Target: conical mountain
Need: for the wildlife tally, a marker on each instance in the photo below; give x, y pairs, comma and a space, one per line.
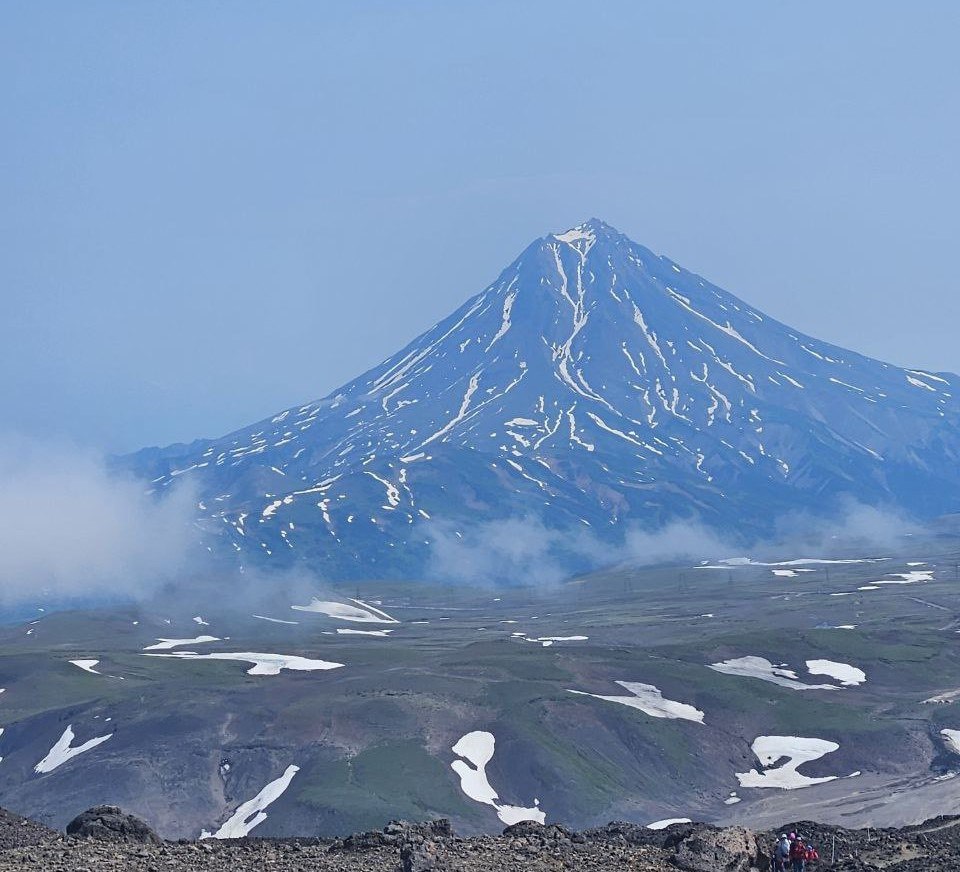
593, 384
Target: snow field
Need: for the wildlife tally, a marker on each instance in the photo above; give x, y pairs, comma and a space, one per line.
263, 663
478, 748
796, 751
648, 699
360, 612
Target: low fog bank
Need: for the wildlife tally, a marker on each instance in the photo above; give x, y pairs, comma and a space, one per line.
525, 550
241, 592
72, 530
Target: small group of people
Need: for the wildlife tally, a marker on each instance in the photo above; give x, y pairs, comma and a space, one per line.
792, 853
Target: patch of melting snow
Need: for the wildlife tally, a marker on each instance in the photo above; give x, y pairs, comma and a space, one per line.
649, 699
801, 561
575, 235
381, 633
360, 612
733, 799
167, 644
667, 822
547, 641
199, 620
760, 667
274, 620
951, 739
797, 751
915, 576
263, 664
64, 750
86, 666
847, 675
251, 813
478, 748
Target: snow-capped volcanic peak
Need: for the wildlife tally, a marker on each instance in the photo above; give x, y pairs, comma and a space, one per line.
593, 381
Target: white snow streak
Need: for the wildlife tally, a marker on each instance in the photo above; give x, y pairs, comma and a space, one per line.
251, 813
648, 699
63, 751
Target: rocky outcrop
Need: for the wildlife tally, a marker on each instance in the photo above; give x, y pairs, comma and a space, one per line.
625, 833
395, 833
732, 849
107, 822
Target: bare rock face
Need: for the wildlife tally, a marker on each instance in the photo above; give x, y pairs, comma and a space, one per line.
733, 849
109, 823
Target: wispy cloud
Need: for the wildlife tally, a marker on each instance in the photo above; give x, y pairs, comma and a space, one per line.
524, 550
71, 528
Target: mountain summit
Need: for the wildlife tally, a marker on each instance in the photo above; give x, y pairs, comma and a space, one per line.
593, 383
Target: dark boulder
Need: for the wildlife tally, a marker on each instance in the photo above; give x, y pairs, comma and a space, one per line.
110, 823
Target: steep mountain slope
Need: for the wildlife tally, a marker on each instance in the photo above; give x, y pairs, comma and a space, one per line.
593, 383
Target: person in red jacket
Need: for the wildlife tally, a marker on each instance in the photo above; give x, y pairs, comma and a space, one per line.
798, 854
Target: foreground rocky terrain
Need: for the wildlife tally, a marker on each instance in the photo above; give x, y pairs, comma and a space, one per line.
105, 839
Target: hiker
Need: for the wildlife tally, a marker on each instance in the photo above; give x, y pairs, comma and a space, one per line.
811, 855
798, 854
781, 853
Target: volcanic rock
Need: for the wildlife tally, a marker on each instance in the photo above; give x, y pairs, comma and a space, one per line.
107, 822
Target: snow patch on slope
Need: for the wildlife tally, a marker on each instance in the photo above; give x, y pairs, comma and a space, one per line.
478, 748
65, 750
251, 813
648, 699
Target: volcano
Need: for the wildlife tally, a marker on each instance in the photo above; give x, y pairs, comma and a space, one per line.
594, 385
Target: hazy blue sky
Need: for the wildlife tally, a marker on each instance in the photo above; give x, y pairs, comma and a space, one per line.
209, 211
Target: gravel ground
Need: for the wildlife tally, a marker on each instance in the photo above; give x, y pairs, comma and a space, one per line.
528, 847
